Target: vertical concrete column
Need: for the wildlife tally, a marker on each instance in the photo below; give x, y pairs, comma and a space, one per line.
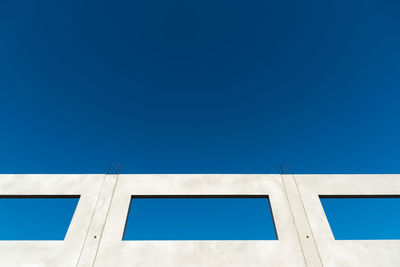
306, 238
98, 220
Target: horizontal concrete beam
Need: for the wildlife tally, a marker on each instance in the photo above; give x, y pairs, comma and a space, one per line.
95, 234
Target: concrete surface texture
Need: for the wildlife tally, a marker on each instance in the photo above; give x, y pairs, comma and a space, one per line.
94, 237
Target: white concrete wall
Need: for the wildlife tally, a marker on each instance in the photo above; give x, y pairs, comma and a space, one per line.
94, 237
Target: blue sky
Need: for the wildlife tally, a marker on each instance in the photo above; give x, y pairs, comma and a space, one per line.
363, 218
199, 86
204, 86
36, 218
200, 219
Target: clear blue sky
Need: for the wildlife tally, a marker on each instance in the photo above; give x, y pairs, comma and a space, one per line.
363, 218
207, 86
36, 218
200, 219
200, 86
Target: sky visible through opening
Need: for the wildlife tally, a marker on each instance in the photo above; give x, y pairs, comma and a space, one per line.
210, 86
363, 218
36, 218
200, 219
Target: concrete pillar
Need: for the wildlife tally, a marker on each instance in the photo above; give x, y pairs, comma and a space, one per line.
95, 231
306, 238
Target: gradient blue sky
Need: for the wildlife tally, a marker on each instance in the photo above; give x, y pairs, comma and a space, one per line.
204, 86
200, 86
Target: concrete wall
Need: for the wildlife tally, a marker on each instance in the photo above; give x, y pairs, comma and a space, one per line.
95, 234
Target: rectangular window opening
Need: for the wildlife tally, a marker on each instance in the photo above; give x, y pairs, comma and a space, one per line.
222, 217
36, 217
363, 217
